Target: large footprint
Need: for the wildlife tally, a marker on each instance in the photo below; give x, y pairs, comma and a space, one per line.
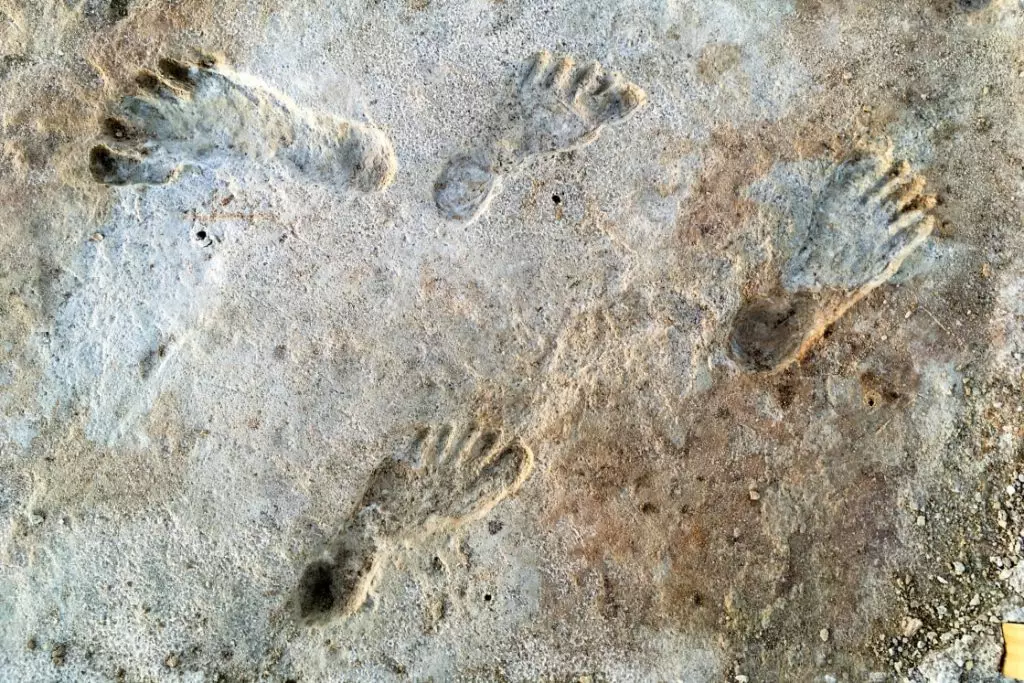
560, 108
458, 478
206, 114
870, 215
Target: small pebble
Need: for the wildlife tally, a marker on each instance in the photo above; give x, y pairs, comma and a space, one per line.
823, 634
920, 520
959, 568
58, 654
911, 626
754, 495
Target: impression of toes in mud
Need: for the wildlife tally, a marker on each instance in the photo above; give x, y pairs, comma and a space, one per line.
868, 218
559, 107
452, 478
204, 114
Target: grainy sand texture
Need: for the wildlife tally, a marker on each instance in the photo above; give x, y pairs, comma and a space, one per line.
508, 340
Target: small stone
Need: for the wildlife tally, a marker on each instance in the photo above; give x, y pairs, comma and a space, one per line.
31, 643
96, 237
823, 634
1009, 489
976, 600
910, 626
58, 654
921, 520
172, 661
740, 678
754, 495
959, 568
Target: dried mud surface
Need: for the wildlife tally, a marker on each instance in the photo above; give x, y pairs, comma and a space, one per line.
199, 379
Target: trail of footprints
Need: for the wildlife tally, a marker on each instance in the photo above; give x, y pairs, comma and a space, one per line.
870, 215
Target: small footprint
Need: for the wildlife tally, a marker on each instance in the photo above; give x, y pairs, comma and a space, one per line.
458, 478
206, 114
870, 215
560, 108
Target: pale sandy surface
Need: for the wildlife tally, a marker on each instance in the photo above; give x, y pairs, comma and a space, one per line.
185, 421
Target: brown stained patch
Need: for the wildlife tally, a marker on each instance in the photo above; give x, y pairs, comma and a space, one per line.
735, 158
666, 532
154, 30
662, 517
716, 60
885, 387
659, 520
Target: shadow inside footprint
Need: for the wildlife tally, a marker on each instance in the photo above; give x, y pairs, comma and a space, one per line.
316, 594
768, 332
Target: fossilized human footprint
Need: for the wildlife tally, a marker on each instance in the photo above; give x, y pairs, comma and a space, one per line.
559, 108
206, 114
869, 216
459, 478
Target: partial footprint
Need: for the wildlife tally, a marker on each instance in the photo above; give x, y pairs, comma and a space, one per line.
869, 216
206, 114
559, 108
458, 478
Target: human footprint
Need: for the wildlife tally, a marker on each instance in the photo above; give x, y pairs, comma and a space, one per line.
870, 215
458, 478
559, 108
206, 114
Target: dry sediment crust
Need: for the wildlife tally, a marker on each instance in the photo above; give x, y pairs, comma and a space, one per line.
758, 393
